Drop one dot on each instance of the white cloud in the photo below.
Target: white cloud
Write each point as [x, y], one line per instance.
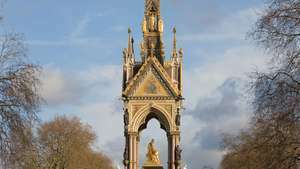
[225, 110]
[238, 61]
[92, 95]
[105, 73]
[106, 119]
[57, 88]
[239, 58]
[214, 107]
[62, 88]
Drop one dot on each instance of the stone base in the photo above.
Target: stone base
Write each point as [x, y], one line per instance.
[152, 167]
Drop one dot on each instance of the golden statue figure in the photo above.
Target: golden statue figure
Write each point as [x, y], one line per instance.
[151, 22]
[152, 154]
[160, 25]
[144, 25]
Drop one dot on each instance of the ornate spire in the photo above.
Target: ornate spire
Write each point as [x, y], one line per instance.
[153, 27]
[130, 43]
[175, 60]
[129, 59]
[151, 6]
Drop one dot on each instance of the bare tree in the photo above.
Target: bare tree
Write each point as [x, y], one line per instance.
[19, 101]
[278, 27]
[273, 139]
[277, 92]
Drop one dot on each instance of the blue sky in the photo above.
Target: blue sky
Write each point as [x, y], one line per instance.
[79, 44]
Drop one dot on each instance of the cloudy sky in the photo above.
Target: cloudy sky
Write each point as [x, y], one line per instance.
[79, 44]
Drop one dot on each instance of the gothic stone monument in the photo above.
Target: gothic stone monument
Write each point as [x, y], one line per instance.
[152, 88]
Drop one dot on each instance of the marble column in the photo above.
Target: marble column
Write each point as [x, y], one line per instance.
[133, 151]
[173, 141]
[137, 159]
[130, 152]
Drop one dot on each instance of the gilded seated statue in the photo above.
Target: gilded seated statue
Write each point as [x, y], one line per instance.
[152, 154]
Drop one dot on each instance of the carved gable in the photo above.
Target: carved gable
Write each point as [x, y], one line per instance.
[151, 86]
[152, 5]
[151, 80]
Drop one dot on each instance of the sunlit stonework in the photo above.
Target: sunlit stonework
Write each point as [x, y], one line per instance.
[152, 88]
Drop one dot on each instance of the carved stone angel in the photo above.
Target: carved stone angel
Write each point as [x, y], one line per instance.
[126, 117]
[177, 120]
[178, 151]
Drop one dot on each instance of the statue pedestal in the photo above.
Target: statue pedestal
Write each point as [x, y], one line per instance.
[152, 167]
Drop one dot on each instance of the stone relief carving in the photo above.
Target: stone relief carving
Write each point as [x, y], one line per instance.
[178, 118]
[126, 117]
[178, 151]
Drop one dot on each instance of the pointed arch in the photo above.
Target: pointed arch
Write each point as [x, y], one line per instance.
[149, 112]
